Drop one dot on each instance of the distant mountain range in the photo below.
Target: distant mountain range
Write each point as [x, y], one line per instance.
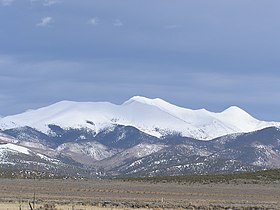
[141, 137]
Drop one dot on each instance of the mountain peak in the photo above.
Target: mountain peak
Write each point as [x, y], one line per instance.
[235, 110]
[145, 100]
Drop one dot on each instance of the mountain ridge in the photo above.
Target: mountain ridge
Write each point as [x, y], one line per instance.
[155, 117]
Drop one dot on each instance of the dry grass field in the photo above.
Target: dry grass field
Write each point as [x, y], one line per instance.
[107, 194]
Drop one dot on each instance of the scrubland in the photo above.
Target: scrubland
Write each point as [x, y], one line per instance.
[118, 194]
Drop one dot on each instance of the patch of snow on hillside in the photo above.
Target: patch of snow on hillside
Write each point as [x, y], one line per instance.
[14, 148]
[55, 161]
[143, 150]
[92, 149]
[7, 139]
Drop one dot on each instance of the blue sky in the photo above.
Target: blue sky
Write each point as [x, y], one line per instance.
[194, 53]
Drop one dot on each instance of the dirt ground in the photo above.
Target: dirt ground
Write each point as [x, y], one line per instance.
[105, 194]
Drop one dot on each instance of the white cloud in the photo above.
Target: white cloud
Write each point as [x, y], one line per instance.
[50, 2]
[45, 21]
[6, 2]
[118, 23]
[94, 21]
[46, 3]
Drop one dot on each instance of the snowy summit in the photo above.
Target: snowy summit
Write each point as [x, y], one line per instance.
[155, 117]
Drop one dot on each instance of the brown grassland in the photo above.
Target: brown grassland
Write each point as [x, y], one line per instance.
[113, 194]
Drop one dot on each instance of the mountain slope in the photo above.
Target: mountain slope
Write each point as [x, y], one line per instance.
[151, 116]
[18, 158]
[232, 153]
[130, 152]
[26, 158]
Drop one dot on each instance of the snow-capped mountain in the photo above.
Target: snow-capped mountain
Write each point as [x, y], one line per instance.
[155, 117]
[141, 137]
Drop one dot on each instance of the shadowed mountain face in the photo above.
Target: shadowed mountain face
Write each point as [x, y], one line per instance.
[124, 137]
[126, 151]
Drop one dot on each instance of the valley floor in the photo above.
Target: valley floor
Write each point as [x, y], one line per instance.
[97, 194]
